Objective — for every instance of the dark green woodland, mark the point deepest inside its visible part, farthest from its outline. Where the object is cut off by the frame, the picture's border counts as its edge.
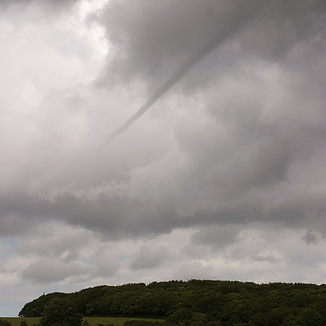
(196, 303)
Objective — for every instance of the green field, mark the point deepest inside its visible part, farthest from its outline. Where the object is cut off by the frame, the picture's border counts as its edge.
(15, 321)
(93, 321)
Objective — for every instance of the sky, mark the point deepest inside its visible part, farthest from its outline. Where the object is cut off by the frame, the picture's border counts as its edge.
(223, 176)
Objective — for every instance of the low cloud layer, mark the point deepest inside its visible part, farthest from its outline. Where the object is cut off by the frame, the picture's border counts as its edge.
(224, 176)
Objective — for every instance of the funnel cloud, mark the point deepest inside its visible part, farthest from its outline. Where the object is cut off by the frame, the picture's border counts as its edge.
(242, 16)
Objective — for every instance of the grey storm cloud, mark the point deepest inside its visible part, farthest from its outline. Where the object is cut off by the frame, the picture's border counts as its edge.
(310, 238)
(224, 31)
(226, 169)
(234, 140)
(256, 155)
(152, 39)
(259, 169)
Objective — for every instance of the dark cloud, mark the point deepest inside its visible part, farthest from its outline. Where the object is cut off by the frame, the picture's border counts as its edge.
(251, 152)
(265, 134)
(151, 39)
(310, 238)
(224, 32)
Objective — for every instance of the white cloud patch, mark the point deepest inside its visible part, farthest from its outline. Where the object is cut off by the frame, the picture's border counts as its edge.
(51, 270)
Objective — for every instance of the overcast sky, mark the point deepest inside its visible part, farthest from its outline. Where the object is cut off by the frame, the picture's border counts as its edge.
(224, 177)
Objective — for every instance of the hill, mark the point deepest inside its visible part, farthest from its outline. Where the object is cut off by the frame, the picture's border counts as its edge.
(199, 302)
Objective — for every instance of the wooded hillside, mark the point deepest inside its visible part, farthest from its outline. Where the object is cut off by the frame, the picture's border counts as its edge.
(199, 301)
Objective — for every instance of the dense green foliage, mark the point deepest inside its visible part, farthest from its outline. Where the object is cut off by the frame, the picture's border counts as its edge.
(87, 321)
(4, 322)
(135, 322)
(16, 321)
(200, 302)
(23, 323)
(60, 312)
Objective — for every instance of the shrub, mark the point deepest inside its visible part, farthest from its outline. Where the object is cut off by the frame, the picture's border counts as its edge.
(60, 313)
(4, 322)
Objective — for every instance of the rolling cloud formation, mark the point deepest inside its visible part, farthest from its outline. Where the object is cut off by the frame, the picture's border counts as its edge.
(223, 178)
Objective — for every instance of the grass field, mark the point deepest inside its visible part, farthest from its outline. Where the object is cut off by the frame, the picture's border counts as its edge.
(93, 321)
(15, 321)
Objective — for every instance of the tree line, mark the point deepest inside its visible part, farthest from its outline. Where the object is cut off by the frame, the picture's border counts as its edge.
(197, 303)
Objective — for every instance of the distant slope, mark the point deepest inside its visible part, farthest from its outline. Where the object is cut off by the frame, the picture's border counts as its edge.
(198, 300)
(92, 321)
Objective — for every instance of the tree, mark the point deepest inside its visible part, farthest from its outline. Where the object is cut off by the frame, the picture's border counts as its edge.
(290, 320)
(310, 317)
(258, 319)
(60, 312)
(182, 315)
(4, 322)
(276, 316)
